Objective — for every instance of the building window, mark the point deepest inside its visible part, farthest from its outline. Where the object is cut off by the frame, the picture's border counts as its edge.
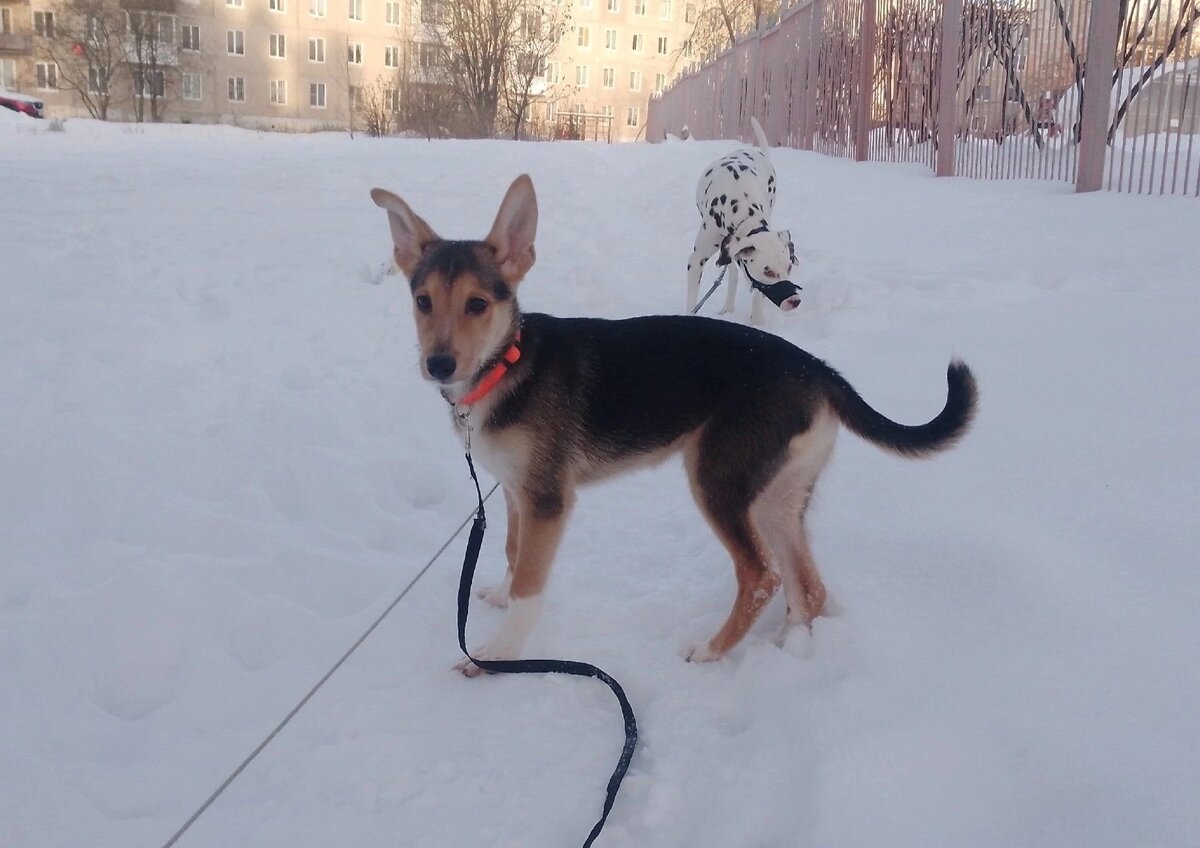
(687, 49)
(581, 76)
(391, 56)
(149, 83)
(432, 11)
(639, 41)
(279, 92)
(662, 45)
(354, 53)
(639, 7)
(47, 75)
(97, 81)
(235, 3)
(356, 10)
(614, 5)
(391, 97)
(610, 39)
(43, 24)
(8, 74)
(664, 10)
(316, 50)
(635, 80)
(983, 93)
(585, 37)
(392, 13)
(316, 95)
(610, 75)
(427, 55)
(607, 110)
(5, 19)
(583, 4)
(277, 5)
(235, 42)
(237, 89)
(632, 116)
(193, 88)
(660, 82)
(552, 72)
(189, 37)
(278, 46)
(689, 13)
(318, 8)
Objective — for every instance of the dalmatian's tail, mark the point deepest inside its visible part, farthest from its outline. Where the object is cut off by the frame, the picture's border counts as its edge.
(760, 137)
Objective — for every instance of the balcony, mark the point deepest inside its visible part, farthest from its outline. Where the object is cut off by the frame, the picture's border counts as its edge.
(15, 42)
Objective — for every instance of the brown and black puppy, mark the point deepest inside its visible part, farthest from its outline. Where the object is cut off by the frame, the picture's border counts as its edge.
(553, 403)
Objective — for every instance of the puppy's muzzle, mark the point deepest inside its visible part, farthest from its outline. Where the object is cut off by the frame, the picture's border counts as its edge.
(784, 294)
(440, 366)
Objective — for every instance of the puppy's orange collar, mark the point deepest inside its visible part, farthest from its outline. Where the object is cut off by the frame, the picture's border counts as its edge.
(491, 378)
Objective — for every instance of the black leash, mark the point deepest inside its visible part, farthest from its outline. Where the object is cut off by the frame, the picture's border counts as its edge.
(578, 669)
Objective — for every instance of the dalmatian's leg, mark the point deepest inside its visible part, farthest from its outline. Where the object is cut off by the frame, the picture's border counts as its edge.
(706, 245)
(731, 286)
(757, 299)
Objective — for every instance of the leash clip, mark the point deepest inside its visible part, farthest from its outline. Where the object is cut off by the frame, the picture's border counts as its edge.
(463, 416)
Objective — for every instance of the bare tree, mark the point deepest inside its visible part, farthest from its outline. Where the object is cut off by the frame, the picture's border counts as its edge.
(539, 32)
(376, 107)
(87, 44)
(151, 58)
(476, 41)
(719, 23)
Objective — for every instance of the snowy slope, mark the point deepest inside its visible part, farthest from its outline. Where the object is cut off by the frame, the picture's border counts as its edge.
(220, 465)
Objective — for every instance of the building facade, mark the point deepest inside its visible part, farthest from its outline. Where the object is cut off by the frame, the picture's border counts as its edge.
(302, 64)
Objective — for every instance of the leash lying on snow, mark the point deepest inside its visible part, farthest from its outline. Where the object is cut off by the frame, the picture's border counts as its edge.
(578, 669)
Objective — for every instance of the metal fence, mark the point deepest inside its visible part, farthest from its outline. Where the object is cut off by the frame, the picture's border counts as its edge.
(992, 89)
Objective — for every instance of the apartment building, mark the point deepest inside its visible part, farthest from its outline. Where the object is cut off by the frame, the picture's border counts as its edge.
(299, 64)
(616, 54)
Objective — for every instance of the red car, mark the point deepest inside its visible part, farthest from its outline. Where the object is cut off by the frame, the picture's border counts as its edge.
(30, 106)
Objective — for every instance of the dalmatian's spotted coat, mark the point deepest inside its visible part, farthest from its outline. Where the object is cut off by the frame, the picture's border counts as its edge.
(736, 196)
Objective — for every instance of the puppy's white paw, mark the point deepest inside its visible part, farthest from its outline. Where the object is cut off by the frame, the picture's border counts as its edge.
(488, 651)
(700, 652)
(497, 596)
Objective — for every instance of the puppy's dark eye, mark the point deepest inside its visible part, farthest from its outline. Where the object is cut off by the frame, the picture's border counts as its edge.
(476, 306)
(424, 303)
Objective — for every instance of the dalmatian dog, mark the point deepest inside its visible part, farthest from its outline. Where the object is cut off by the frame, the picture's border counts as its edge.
(735, 197)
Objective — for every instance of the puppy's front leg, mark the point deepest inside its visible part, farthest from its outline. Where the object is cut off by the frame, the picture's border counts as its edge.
(498, 596)
(543, 517)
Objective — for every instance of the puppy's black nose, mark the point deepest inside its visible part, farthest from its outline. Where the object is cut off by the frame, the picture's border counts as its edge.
(440, 366)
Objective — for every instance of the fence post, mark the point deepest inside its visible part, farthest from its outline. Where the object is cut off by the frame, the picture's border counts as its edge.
(947, 104)
(808, 117)
(866, 69)
(1100, 62)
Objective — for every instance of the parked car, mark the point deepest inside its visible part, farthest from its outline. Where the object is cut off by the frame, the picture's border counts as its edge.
(23, 103)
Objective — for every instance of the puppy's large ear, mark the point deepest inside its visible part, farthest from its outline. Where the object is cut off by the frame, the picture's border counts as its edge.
(513, 232)
(410, 234)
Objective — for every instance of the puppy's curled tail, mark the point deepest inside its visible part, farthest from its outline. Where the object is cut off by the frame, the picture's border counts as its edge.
(760, 137)
(907, 440)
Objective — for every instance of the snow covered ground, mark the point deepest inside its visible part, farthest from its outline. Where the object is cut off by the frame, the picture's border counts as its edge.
(219, 464)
